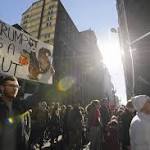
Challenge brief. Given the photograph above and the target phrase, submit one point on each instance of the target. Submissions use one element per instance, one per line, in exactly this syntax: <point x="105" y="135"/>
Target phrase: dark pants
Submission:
<point x="125" y="147"/>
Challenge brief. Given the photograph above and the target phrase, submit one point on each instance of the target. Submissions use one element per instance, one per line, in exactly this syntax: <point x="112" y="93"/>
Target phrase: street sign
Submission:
<point x="24" y="56"/>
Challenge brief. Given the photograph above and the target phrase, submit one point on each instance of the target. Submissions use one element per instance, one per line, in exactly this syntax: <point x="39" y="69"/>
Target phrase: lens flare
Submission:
<point x="11" y="120"/>
<point x="66" y="83"/>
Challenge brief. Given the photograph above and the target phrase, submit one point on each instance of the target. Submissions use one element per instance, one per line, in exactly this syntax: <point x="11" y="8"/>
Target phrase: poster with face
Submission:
<point x="24" y="56"/>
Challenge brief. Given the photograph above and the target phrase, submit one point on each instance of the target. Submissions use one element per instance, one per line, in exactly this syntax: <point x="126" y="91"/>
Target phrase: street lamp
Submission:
<point x="113" y="30"/>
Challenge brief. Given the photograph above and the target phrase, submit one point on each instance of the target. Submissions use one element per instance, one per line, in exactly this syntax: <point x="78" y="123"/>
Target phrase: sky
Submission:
<point x="97" y="15"/>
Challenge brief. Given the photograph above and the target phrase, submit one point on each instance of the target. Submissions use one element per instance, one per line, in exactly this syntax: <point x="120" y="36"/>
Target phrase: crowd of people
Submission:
<point x="32" y="124"/>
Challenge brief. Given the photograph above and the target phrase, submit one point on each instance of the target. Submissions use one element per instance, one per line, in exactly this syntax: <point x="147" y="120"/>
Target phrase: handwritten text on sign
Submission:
<point x="24" y="56"/>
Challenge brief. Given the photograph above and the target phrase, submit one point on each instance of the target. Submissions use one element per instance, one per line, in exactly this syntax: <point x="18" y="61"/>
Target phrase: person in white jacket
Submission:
<point x="140" y="124"/>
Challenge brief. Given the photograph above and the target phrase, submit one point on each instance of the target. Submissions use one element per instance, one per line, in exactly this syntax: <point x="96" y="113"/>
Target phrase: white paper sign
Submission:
<point x="24" y="56"/>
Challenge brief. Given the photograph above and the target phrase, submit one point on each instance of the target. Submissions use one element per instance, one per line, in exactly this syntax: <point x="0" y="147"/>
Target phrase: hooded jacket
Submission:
<point x="140" y="132"/>
<point x="140" y="125"/>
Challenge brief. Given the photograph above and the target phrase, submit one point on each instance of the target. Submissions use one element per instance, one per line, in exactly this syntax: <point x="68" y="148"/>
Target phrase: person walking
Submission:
<point x="125" y="121"/>
<point x="140" y="125"/>
<point x="94" y="125"/>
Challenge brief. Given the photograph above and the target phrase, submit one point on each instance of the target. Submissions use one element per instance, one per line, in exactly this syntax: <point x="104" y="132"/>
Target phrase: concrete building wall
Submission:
<point x="138" y="23"/>
<point x="79" y="72"/>
<point x="39" y="20"/>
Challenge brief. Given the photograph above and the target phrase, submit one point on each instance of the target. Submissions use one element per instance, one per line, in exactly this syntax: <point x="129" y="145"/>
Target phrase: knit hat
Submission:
<point x="139" y="101"/>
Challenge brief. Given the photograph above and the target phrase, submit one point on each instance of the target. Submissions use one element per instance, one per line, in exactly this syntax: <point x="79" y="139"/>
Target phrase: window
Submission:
<point x="24" y="26"/>
<point x="48" y="24"/>
<point x="47" y="35"/>
<point x="47" y="41"/>
<point x="25" y="21"/>
<point x="49" y="18"/>
<point x="51" y="7"/>
<point x="50" y="12"/>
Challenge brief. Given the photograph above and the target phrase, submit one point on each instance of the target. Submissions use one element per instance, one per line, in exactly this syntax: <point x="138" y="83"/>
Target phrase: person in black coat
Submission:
<point x="14" y="116"/>
<point x="125" y="121"/>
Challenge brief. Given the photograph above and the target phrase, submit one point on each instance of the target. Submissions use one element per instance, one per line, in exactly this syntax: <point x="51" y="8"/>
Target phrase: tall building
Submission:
<point x="79" y="71"/>
<point x="40" y="19"/>
<point x="134" y="22"/>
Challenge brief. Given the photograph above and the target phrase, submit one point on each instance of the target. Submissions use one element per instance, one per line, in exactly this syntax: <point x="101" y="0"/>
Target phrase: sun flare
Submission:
<point x="111" y="52"/>
<point x="112" y="58"/>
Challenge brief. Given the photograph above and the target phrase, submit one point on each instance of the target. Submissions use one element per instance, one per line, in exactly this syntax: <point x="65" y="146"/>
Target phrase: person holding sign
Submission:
<point x="15" y="123"/>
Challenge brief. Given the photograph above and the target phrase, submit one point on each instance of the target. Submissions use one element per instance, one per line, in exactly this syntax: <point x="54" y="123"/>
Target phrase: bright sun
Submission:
<point x="111" y="53"/>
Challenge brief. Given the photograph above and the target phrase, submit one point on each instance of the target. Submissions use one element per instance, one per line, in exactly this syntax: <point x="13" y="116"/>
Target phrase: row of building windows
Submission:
<point x="51" y="7"/>
<point x="36" y="16"/>
<point x="48" y="30"/>
<point x="34" y="32"/>
<point x="31" y="19"/>
<point x="48" y="35"/>
<point x="37" y="8"/>
<point x="49" y="18"/>
<point x="32" y="16"/>
<point x="49" y="41"/>
<point x="33" y="29"/>
<point x="37" y="5"/>
<point x="51" y="12"/>
<point x="33" y="13"/>
<point x="26" y="16"/>
<point x="24" y="26"/>
<point x="32" y="24"/>
<point x="24" y="21"/>
<point x="47" y="23"/>
<point x="52" y="2"/>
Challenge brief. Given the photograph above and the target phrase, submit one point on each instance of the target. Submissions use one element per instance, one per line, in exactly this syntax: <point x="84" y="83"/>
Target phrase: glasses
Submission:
<point x="13" y="86"/>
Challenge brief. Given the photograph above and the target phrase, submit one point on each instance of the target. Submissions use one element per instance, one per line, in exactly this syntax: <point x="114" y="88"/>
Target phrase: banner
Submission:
<point x="23" y="56"/>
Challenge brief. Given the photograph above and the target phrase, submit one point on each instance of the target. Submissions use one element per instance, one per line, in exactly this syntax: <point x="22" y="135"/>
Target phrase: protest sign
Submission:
<point x="24" y="56"/>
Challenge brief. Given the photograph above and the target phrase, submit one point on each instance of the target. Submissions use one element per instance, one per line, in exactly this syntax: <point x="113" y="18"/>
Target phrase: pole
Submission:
<point x="140" y="38"/>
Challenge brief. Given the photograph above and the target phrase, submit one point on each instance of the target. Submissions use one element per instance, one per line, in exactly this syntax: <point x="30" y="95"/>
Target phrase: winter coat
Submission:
<point x="125" y="119"/>
<point x="15" y="126"/>
<point x="112" y="139"/>
<point x="140" y="132"/>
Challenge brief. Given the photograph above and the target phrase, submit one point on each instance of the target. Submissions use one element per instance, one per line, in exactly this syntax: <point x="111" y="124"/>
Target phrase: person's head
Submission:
<point x="120" y="111"/>
<point x="43" y="105"/>
<point x="9" y="87"/>
<point x="63" y="109"/>
<point x="141" y="103"/>
<point x="113" y="117"/>
<point x="82" y="110"/>
<point x="96" y="103"/>
<point x="129" y="106"/>
<point x="56" y="109"/>
<point x="113" y="123"/>
<point x="69" y="108"/>
<point x="104" y="102"/>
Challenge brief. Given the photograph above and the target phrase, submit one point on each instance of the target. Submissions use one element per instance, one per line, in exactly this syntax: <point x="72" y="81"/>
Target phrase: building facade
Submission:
<point x="134" y="22"/>
<point x="79" y="71"/>
<point x="40" y="19"/>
